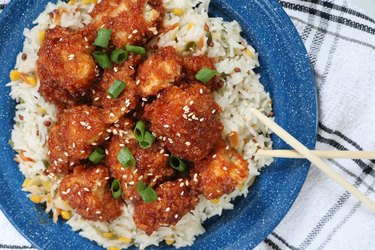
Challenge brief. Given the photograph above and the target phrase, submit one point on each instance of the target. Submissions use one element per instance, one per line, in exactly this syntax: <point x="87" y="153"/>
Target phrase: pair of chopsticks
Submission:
<point x="302" y="152"/>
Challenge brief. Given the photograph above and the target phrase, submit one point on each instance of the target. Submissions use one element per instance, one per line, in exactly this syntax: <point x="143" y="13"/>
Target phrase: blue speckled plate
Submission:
<point x="286" y="74"/>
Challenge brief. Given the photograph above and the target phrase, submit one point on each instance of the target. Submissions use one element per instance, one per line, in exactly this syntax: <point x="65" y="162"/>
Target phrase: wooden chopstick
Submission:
<point x="317" y="162"/>
<point x="319" y="153"/>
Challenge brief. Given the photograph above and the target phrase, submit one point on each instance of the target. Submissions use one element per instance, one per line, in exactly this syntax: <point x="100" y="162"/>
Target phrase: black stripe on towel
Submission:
<point x="2" y="6"/>
<point x="341" y="9"/>
<point x="271" y="244"/>
<point x="348" y="39"/>
<point x="341" y="20"/>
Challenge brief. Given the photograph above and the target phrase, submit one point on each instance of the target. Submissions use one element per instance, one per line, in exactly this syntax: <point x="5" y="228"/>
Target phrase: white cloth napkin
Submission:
<point x="340" y="41"/>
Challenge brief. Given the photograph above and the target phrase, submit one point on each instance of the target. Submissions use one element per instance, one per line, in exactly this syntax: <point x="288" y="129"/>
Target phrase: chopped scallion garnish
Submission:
<point x="205" y="74"/>
<point x="116" y="89"/>
<point x="119" y="55"/>
<point x="102" y="59"/>
<point x="116" y="189"/>
<point x="126" y="158"/>
<point x="97" y="155"/>
<point x="147" y="193"/>
<point x="177" y="163"/>
<point x="136" y="49"/>
<point x="102" y="38"/>
<point x="147" y="140"/>
<point x="139" y="131"/>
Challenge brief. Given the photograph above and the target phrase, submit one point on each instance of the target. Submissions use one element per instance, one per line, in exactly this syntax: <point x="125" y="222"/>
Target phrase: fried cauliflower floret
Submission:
<point x="131" y="22"/>
<point x="221" y="172"/>
<point x="159" y="71"/>
<point x="87" y="190"/>
<point x="152" y="166"/>
<point x="186" y="120"/>
<point x="74" y="136"/>
<point x="175" y="199"/>
<point x="65" y="67"/>
<point x="114" y="108"/>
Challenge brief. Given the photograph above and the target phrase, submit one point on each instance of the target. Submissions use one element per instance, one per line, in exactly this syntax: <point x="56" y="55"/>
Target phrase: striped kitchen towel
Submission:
<point x="340" y="41"/>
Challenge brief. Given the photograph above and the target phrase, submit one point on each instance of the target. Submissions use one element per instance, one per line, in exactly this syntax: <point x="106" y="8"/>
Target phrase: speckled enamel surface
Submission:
<point x="286" y="74"/>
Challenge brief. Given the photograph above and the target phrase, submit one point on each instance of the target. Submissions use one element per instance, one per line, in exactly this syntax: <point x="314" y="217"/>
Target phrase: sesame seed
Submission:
<point x="73" y="145"/>
<point x="115" y="69"/>
<point x="86" y="189"/>
<point x="213" y="111"/>
<point x="227" y="147"/>
<point x="106" y="151"/>
<point x="225" y="168"/>
<point x="187" y="143"/>
<point x="98" y="212"/>
<point x="166" y="155"/>
<point x="187" y="183"/>
<point x="97" y="171"/>
<point x="66" y="154"/>
<point x="166" y="126"/>
<point x="87" y="209"/>
<point x="214" y="156"/>
<point x="182" y="184"/>
<point x="201" y="91"/>
<point x="94" y="144"/>
<point x="131" y="183"/>
<point x="71" y="164"/>
<point x="130" y="36"/>
<point x="178" y="134"/>
<point x="176" y="216"/>
<point x="135" y="31"/>
<point x="137" y="82"/>
<point x="191" y="102"/>
<point x="79" y="193"/>
<point x="60" y="160"/>
<point x="111" y="114"/>
<point x="106" y="178"/>
<point x="167" y="209"/>
<point x="182" y="193"/>
<point x="123" y="109"/>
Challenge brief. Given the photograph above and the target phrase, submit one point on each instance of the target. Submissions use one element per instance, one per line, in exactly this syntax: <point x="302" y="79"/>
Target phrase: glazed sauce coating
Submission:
<point x="132" y="22"/>
<point x="87" y="190"/>
<point x="65" y="67"/>
<point x="159" y="71"/>
<point x="115" y="108"/>
<point x="221" y="172"/>
<point x="186" y="120"/>
<point x="151" y="167"/>
<point x="176" y="198"/>
<point x="75" y="135"/>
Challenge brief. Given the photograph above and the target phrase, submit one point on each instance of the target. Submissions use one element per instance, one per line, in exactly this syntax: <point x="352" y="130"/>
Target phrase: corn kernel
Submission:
<point x="71" y="2"/>
<point x="65" y="214"/>
<point x="42" y="110"/>
<point x="178" y="11"/>
<point x="249" y="53"/>
<point x="26" y="182"/>
<point x="107" y="235"/>
<point x="36" y="198"/>
<point x="114" y="248"/>
<point x="215" y="201"/>
<point x="47" y="185"/>
<point x="31" y="80"/>
<point x="14" y="75"/>
<point x="190" y="25"/>
<point x="125" y="239"/>
<point x="89" y="1"/>
<point x="169" y="241"/>
<point x="42" y="36"/>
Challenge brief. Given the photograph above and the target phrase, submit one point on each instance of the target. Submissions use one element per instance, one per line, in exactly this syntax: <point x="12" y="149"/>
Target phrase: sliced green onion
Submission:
<point x="119" y="55"/>
<point x="139" y="131"/>
<point x="97" y="155"/>
<point x="147" y="140"/>
<point x="116" y="189"/>
<point x="205" y="74"/>
<point x="102" y="38"/>
<point x="177" y="163"/>
<point x="46" y="163"/>
<point x="136" y="49"/>
<point x="116" y="89"/>
<point x="102" y="59"/>
<point x="126" y="158"/>
<point x="147" y="193"/>
<point x="11" y="143"/>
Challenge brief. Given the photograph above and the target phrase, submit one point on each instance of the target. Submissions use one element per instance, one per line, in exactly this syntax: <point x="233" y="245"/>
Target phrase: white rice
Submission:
<point x="241" y="91"/>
